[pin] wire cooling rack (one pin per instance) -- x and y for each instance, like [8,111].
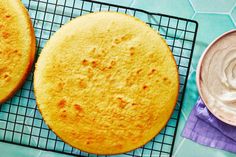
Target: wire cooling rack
[21,122]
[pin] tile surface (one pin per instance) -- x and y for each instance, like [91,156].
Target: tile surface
[216,6]
[214,18]
[180,8]
[233,14]
[212,25]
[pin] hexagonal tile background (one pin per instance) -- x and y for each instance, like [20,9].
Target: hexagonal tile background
[214,17]
[216,6]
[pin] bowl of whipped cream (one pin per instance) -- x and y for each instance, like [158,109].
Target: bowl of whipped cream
[216,77]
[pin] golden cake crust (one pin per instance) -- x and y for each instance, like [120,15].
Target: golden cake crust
[106,83]
[17,47]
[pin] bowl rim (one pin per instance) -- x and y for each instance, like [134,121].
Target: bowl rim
[198,72]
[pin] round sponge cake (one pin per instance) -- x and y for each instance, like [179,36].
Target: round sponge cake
[106,83]
[17,47]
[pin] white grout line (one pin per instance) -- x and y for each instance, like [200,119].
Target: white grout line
[193,69]
[231,10]
[39,153]
[213,12]
[193,15]
[191,3]
[230,14]
[209,12]
[233,19]
[178,148]
[131,3]
[185,117]
[191,73]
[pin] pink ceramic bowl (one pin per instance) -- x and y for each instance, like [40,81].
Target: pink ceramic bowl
[216,78]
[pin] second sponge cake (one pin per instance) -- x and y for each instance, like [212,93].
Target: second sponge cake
[17,47]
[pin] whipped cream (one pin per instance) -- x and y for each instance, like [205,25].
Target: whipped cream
[216,76]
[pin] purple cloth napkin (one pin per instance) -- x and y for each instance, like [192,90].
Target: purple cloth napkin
[204,128]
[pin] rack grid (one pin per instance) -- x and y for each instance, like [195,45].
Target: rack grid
[21,122]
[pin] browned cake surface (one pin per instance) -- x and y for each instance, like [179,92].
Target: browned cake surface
[106,83]
[17,47]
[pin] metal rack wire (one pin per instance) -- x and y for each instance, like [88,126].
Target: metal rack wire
[20,121]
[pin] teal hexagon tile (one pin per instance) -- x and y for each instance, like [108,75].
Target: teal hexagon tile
[233,14]
[191,94]
[213,6]
[192,149]
[178,146]
[212,25]
[166,7]
[118,2]
[198,50]
[11,150]
[52,154]
[179,139]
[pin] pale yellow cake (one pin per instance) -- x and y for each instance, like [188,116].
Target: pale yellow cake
[106,83]
[17,47]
